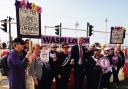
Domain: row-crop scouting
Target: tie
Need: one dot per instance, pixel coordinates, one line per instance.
(81, 54)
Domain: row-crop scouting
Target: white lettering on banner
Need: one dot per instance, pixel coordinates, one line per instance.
(29, 22)
(60, 40)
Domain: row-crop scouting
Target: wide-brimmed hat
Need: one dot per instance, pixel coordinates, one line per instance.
(97, 48)
(107, 48)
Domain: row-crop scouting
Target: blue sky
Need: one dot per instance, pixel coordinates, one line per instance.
(68, 12)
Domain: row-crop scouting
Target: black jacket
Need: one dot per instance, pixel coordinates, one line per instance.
(75, 54)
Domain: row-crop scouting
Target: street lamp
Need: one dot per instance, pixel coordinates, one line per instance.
(76, 26)
(106, 21)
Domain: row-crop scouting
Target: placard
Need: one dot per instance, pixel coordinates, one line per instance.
(28, 19)
(117, 35)
(44, 55)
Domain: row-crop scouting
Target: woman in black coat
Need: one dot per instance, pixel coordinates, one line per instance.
(93, 70)
(117, 64)
(64, 71)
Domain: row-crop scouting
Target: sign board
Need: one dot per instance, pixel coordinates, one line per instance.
(28, 19)
(117, 35)
(44, 55)
(59, 40)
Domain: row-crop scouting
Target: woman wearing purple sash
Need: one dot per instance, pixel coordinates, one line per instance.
(116, 61)
(106, 66)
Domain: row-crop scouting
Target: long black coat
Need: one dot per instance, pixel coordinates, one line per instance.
(75, 55)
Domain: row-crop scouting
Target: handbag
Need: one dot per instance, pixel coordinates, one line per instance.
(29, 80)
(121, 75)
(111, 78)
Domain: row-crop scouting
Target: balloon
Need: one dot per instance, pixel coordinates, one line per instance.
(23, 4)
(39, 9)
(33, 6)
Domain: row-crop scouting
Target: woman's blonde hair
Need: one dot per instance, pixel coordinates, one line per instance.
(35, 46)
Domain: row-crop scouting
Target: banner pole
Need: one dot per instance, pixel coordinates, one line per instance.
(30, 44)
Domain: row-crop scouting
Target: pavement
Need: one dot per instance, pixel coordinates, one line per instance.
(122, 84)
(4, 83)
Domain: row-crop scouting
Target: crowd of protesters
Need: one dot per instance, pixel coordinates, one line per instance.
(94, 64)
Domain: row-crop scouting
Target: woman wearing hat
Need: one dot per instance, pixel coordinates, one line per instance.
(106, 68)
(94, 71)
(116, 61)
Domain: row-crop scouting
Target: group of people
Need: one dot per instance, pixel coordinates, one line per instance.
(91, 66)
(102, 64)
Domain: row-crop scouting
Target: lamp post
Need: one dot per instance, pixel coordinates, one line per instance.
(106, 21)
(76, 26)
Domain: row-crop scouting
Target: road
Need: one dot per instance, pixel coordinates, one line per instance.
(122, 85)
(4, 83)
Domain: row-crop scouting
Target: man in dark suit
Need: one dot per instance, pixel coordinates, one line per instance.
(79, 56)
